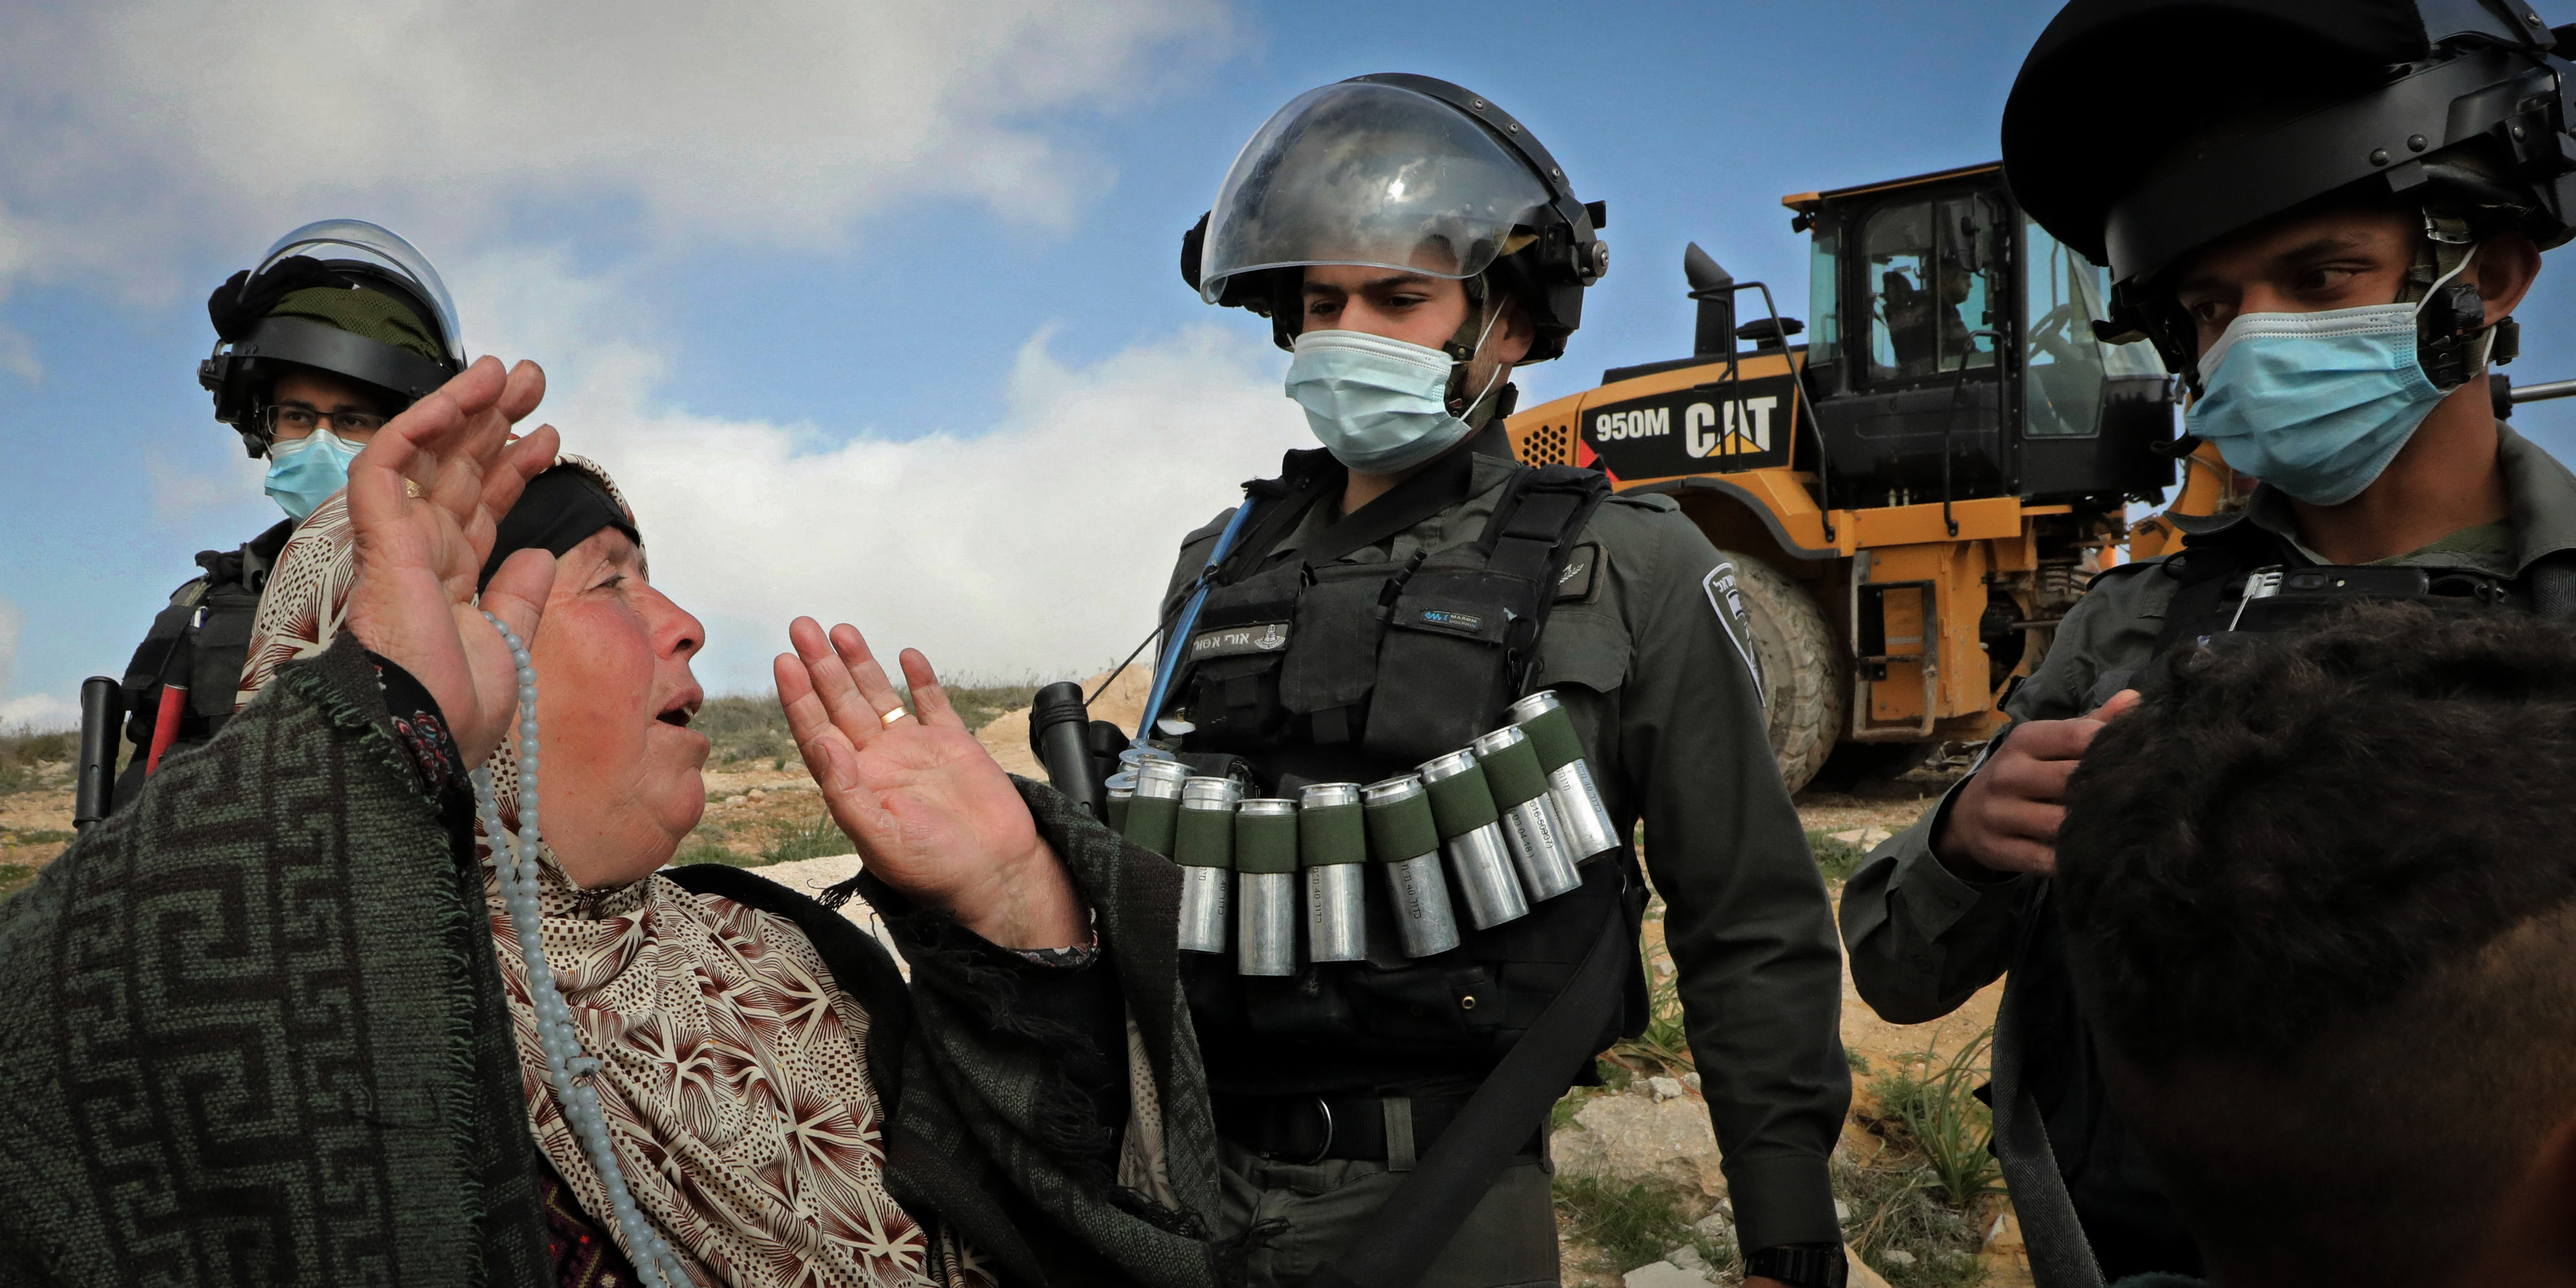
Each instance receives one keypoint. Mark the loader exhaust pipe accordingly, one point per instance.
(1714, 288)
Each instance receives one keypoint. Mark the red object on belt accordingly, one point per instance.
(165, 726)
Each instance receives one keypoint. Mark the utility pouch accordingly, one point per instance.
(1446, 666)
(1327, 677)
(222, 646)
(1229, 669)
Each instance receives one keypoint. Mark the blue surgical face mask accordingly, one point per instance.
(1379, 405)
(2316, 404)
(304, 472)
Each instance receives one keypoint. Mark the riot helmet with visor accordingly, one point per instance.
(2236, 112)
(1401, 172)
(342, 296)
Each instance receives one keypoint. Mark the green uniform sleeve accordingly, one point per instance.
(1924, 939)
(1747, 919)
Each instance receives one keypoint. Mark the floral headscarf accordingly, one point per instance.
(733, 1069)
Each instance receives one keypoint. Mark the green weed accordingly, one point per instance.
(696, 854)
(744, 728)
(1941, 1119)
(1632, 1224)
(1664, 1048)
(25, 749)
(15, 877)
(1896, 1206)
(1835, 859)
(813, 839)
(978, 703)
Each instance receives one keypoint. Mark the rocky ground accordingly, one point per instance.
(1642, 1201)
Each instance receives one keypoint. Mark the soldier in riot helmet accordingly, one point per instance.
(338, 327)
(1384, 601)
(2322, 214)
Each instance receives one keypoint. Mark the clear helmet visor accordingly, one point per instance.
(382, 248)
(1359, 173)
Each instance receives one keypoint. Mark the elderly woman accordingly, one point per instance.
(388, 983)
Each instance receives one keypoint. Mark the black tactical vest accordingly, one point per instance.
(1302, 670)
(2235, 581)
(2241, 580)
(200, 642)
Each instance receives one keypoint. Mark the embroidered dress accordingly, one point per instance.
(733, 1068)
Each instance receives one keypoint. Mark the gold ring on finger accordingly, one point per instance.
(890, 717)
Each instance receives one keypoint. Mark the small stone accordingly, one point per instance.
(1664, 1088)
(1663, 1274)
(755, 793)
(1691, 1080)
(1663, 969)
(1716, 1227)
(1842, 1210)
(1896, 1256)
(733, 800)
(1688, 1258)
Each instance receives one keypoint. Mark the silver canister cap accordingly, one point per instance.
(1210, 793)
(1448, 766)
(1160, 779)
(1488, 744)
(1390, 791)
(1268, 807)
(1327, 795)
(1536, 704)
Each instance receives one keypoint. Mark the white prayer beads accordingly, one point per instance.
(565, 1062)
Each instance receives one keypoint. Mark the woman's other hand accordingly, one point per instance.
(424, 499)
(932, 814)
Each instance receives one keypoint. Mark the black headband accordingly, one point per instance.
(560, 509)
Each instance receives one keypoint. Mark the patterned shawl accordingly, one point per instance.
(734, 1071)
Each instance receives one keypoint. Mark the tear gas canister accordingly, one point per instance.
(1121, 789)
(1156, 805)
(1462, 807)
(1332, 849)
(1203, 844)
(1265, 862)
(1529, 816)
(1406, 845)
(1588, 826)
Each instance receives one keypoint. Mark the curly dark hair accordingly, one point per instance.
(2320, 901)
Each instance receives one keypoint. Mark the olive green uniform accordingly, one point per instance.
(1923, 938)
(1647, 654)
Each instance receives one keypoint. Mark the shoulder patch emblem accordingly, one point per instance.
(1726, 599)
(1580, 583)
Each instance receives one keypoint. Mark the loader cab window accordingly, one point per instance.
(1824, 294)
(1934, 279)
(2063, 365)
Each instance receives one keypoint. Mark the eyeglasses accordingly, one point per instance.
(292, 421)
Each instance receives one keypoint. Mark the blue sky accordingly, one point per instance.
(874, 311)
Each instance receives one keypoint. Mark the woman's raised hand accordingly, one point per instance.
(932, 814)
(425, 498)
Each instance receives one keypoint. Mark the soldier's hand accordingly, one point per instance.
(2006, 818)
(931, 812)
(425, 499)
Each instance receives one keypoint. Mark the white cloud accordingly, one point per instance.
(1039, 546)
(43, 710)
(1035, 545)
(135, 127)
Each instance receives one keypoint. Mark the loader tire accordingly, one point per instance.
(1805, 678)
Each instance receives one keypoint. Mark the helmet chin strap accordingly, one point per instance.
(1460, 355)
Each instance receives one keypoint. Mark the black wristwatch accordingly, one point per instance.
(1808, 1265)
